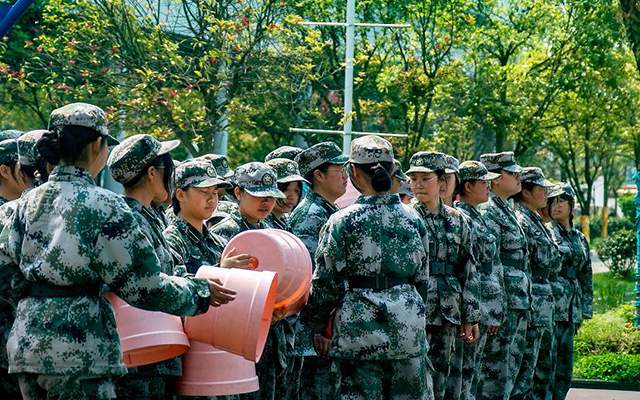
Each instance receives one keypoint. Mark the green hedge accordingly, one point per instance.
(611, 332)
(609, 367)
(610, 291)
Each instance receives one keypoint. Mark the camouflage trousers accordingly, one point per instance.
(270, 370)
(502, 357)
(442, 344)
(53, 387)
(465, 383)
(544, 374)
(317, 381)
(523, 387)
(291, 379)
(133, 387)
(383, 380)
(9, 386)
(565, 331)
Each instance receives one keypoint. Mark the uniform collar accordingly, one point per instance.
(70, 173)
(379, 199)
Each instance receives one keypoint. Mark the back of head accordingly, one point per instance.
(373, 155)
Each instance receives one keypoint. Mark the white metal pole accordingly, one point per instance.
(348, 75)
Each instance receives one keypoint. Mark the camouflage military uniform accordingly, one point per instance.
(64, 339)
(306, 220)
(27, 155)
(544, 260)
(573, 293)
(259, 179)
(8, 156)
(452, 298)
(504, 351)
(372, 269)
(287, 171)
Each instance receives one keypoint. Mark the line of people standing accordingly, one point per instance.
(424, 298)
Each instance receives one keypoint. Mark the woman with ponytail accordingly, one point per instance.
(69, 238)
(366, 309)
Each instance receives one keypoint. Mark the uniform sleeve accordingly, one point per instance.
(585, 277)
(421, 278)
(469, 278)
(494, 227)
(227, 228)
(178, 251)
(13, 284)
(126, 261)
(326, 288)
(308, 230)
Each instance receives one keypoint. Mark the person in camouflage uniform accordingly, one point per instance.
(290, 183)
(257, 191)
(33, 171)
(11, 182)
(10, 134)
(504, 351)
(544, 262)
(573, 291)
(398, 176)
(321, 165)
(288, 152)
(450, 180)
(64, 342)
(473, 189)
(452, 297)
(372, 279)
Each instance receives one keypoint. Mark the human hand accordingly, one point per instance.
(322, 345)
(219, 294)
(242, 261)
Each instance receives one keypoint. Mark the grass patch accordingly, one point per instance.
(611, 291)
(609, 367)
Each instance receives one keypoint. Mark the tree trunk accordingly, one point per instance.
(604, 213)
(584, 222)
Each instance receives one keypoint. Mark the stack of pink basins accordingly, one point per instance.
(223, 344)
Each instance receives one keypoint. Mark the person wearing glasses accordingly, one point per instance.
(453, 311)
(536, 372)
(574, 289)
(504, 351)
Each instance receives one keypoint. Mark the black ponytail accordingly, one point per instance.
(66, 143)
(380, 175)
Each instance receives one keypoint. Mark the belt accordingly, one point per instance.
(514, 259)
(486, 267)
(41, 289)
(375, 282)
(570, 273)
(439, 268)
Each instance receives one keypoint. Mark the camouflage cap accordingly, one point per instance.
(288, 152)
(258, 179)
(475, 171)
(198, 173)
(452, 164)
(133, 155)
(534, 175)
(220, 163)
(28, 153)
(560, 189)
(405, 188)
(8, 151)
(397, 171)
(286, 170)
(318, 154)
(82, 114)
(370, 149)
(427, 161)
(498, 161)
(9, 134)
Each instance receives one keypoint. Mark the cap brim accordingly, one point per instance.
(450, 171)
(547, 184)
(111, 141)
(401, 175)
(555, 193)
(418, 169)
(266, 193)
(228, 174)
(489, 176)
(167, 146)
(292, 178)
(515, 168)
(341, 159)
(212, 182)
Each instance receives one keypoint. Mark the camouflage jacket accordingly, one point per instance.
(574, 288)
(8, 301)
(485, 248)
(453, 278)
(512, 247)
(278, 223)
(308, 218)
(234, 224)
(544, 264)
(192, 249)
(69, 237)
(376, 237)
(3, 200)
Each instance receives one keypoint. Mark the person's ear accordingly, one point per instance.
(5, 171)
(181, 195)
(237, 192)
(318, 175)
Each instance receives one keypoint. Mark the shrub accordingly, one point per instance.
(611, 332)
(618, 252)
(609, 367)
(627, 204)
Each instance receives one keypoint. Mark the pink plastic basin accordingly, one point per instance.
(240, 327)
(147, 337)
(282, 252)
(207, 371)
(349, 197)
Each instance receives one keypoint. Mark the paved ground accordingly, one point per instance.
(592, 394)
(598, 266)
